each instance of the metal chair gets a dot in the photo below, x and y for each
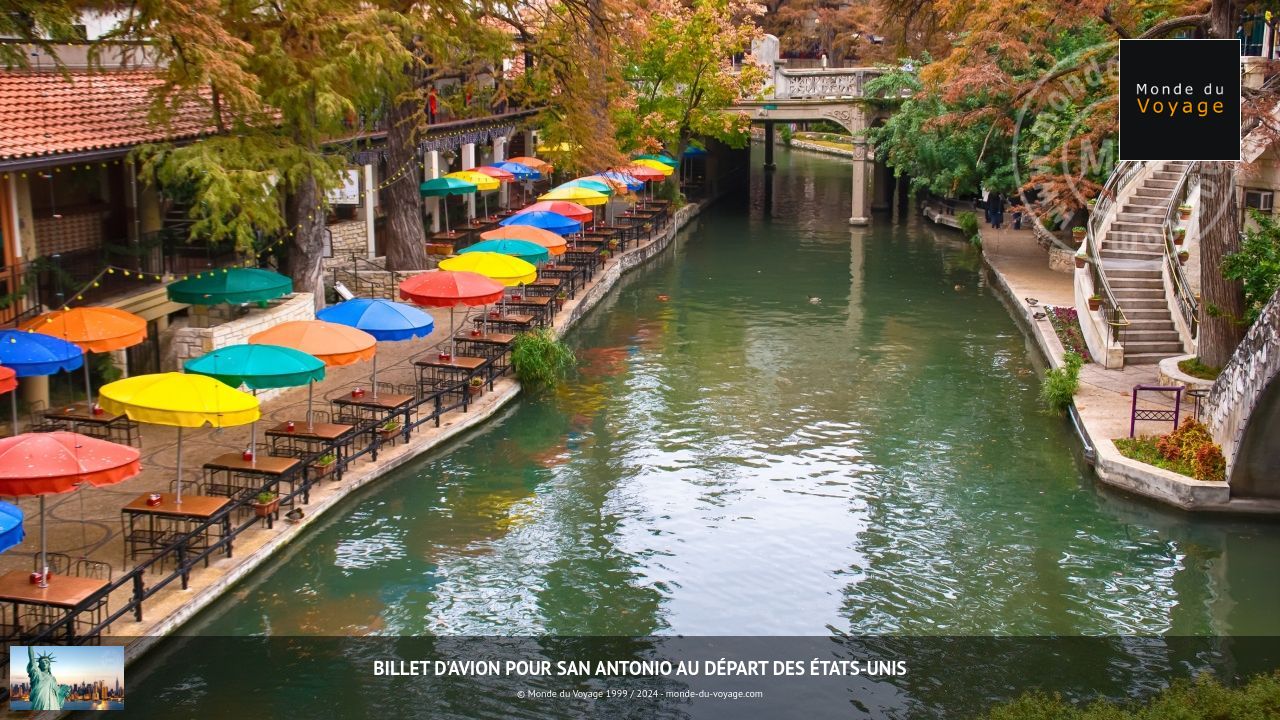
(98, 570)
(59, 563)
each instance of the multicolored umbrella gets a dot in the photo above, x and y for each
(441, 288)
(580, 195)
(181, 400)
(541, 166)
(601, 186)
(11, 530)
(571, 210)
(643, 172)
(483, 183)
(443, 187)
(519, 170)
(497, 173)
(523, 249)
(661, 167)
(552, 222)
(332, 343)
(95, 329)
(383, 319)
(664, 159)
(57, 462)
(632, 182)
(554, 244)
(230, 285)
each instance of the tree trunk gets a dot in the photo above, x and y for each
(405, 240)
(1224, 18)
(306, 247)
(1221, 300)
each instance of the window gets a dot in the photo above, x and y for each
(1260, 200)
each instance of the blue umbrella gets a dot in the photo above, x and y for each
(11, 532)
(522, 172)
(383, 319)
(631, 182)
(31, 354)
(532, 253)
(554, 222)
(693, 151)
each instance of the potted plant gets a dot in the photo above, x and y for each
(1077, 233)
(476, 386)
(1182, 256)
(613, 244)
(604, 254)
(324, 464)
(1081, 259)
(562, 296)
(265, 504)
(1179, 235)
(1092, 203)
(388, 429)
(1095, 302)
(1184, 211)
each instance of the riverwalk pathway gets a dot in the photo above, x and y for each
(87, 523)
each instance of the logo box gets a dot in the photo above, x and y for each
(1180, 100)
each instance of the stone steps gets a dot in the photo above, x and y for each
(1152, 256)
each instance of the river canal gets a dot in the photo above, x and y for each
(783, 426)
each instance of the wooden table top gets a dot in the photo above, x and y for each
(262, 464)
(560, 269)
(447, 236)
(493, 338)
(546, 282)
(530, 300)
(80, 412)
(317, 431)
(65, 591)
(457, 362)
(513, 318)
(600, 233)
(201, 507)
(384, 401)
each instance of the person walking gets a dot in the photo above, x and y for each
(433, 104)
(986, 204)
(996, 203)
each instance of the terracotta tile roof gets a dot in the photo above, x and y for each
(48, 113)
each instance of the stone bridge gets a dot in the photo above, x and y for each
(834, 94)
(1243, 409)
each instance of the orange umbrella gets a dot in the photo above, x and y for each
(94, 329)
(554, 244)
(540, 165)
(333, 343)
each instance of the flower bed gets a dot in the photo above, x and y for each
(1189, 450)
(1066, 323)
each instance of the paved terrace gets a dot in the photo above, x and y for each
(87, 523)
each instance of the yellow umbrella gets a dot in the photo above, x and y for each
(580, 195)
(480, 180)
(179, 399)
(663, 168)
(509, 271)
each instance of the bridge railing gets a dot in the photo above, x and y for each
(821, 83)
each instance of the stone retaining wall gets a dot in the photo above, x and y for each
(1236, 392)
(349, 238)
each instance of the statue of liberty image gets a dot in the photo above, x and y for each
(46, 693)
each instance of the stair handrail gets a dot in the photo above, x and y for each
(1187, 303)
(1121, 176)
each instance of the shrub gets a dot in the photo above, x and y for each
(968, 223)
(785, 132)
(1197, 369)
(1066, 323)
(1060, 384)
(540, 359)
(1257, 264)
(1188, 450)
(1202, 699)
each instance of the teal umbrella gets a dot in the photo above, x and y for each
(445, 186)
(259, 367)
(230, 285)
(589, 185)
(664, 159)
(532, 253)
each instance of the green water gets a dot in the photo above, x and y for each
(732, 459)
(738, 460)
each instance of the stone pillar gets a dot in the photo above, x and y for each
(468, 162)
(370, 201)
(769, 165)
(860, 214)
(500, 154)
(431, 171)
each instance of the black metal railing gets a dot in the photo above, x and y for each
(1124, 173)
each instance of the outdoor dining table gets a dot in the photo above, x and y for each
(456, 238)
(63, 591)
(309, 440)
(565, 272)
(543, 307)
(585, 258)
(495, 346)
(378, 410)
(544, 286)
(79, 417)
(254, 473)
(511, 322)
(169, 520)
(452, 375)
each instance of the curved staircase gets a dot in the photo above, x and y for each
(1132, 250)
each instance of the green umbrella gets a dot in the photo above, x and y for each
(258, 367)
(531, 253)
(665, 160)
(230, 285)
(443, 186)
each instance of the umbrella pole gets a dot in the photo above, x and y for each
(311, 387)
(486, 204)
(444, 202)
(253, 439)
(13, 405)
(453, 341)
(374, 380)
(88, 389)
(179, 500)
(44, 560)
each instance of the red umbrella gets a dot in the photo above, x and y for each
(58, 462)
(9, 383)
(571, 210)
(444, 288)
(496, 173)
